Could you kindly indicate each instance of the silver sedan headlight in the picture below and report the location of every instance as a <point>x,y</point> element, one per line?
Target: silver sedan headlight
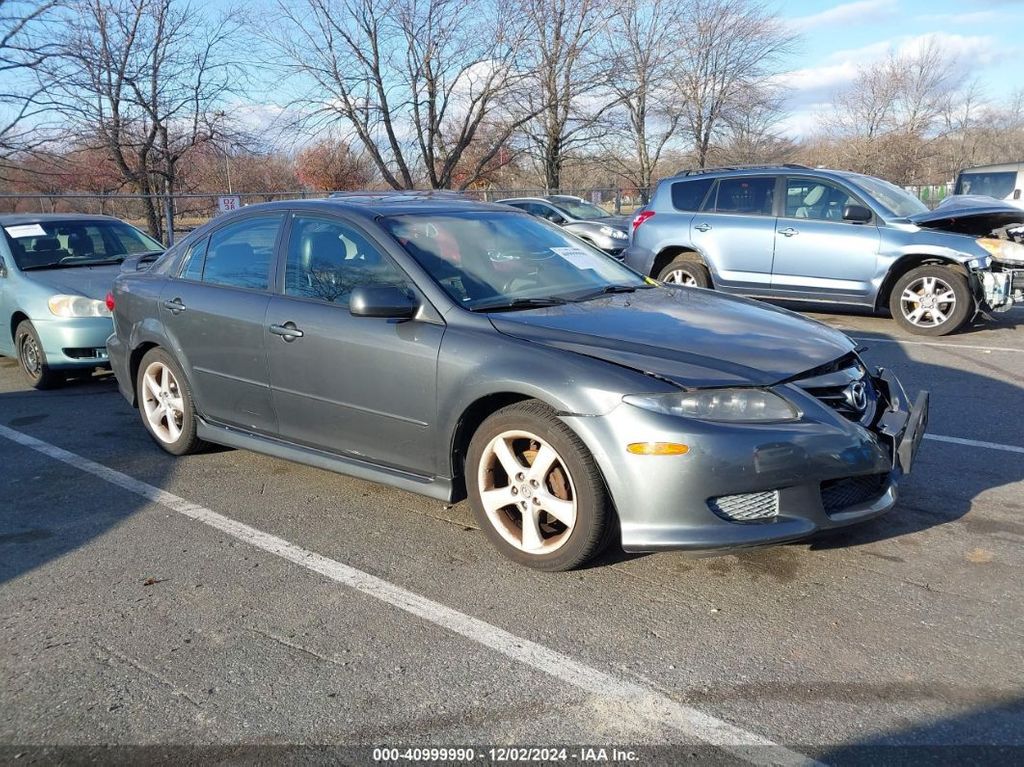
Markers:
<point>615,234</point>
<point>731,405</point>
<point>77,306</point>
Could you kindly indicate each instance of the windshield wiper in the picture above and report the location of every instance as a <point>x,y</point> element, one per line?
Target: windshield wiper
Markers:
<point>73,264</point>
<point>609,290</point>
<point>511,305</point>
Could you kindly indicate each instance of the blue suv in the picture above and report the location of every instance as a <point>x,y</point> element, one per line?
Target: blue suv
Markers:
<point>800,234</point>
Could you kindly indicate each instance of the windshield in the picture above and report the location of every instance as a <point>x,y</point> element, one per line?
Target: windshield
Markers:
<point>579,209</point>
<point>999,185</point>
<point>71,243</point>
<point>899,202</point>
<point>492,260</point>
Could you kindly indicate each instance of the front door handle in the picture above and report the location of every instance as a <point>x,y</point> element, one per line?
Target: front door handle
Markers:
<point>287,331</point>
<point>788,231</point>
<point>703,227</point>
<point>174,305</point>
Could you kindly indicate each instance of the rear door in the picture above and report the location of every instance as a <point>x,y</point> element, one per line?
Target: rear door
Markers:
<point>362,386</point>
<point>214,310</point>
<point>735,231</point>
<point>818,255</point>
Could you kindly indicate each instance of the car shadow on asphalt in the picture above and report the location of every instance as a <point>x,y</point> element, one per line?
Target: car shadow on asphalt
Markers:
<point>983,735</point>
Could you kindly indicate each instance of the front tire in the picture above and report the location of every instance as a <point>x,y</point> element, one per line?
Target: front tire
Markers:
<point>683,272</point>
<point>931,301</point>
<point>535,489</point>
<point>166,404</point>
<point>32,357</point>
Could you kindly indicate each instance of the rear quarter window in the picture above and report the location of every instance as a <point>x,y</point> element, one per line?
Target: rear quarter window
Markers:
<point>688,195</point>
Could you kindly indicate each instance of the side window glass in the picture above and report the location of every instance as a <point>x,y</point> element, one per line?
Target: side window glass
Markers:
<point>192,263</point>
<point>327,259</point>
<point>688,195</point>
<point>746,196</point>
<point>239,255</point>
<point>815,199</point>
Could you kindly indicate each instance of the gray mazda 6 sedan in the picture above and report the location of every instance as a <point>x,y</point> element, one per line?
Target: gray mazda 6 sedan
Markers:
<point>456,348</point>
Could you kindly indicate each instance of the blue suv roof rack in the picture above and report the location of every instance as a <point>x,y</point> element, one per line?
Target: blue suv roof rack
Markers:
<point>701,171</point>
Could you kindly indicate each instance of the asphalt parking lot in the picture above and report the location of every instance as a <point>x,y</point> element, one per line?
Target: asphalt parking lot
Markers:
<point>261,602</point>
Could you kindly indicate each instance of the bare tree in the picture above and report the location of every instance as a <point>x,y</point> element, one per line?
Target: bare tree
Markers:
<point>417,82</point>
<point>731,50</point>
<point>641,40</point>
<point>144,80</point>
<point>24,45</point>
<point>571,78</point>
<point>892,119</point>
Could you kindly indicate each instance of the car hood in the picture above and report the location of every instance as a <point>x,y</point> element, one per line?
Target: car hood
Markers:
<point>90,281</point>
<point>970,214</point>
<point>694,337</point>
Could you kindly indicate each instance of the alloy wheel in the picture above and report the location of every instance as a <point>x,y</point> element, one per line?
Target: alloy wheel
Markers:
<point>928,302</point>
<point>162,402</point>
<point>527,492</point>
<point>679,277</point>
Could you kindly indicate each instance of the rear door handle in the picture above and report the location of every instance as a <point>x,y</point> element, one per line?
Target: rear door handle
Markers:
<point>174,305</point>
<point>703,227</point>
<point>287,331</point>
<point>788,231</point>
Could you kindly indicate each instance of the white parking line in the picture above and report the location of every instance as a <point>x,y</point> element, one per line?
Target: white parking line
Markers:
<point>940,345</point>
<point>975,443</point>
<point>633,699</point>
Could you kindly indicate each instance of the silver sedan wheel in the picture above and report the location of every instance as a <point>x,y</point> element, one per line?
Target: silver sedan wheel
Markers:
<point>162,402</point>
<point>679,277</point>
<point>527,492</point>
<point>928,302</point>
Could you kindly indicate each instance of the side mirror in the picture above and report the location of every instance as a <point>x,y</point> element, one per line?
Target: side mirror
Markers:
<point>139,263</point>
<point>858,214</point>
<point>384,301</point>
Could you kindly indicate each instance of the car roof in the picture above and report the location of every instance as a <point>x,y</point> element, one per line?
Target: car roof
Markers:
<point>373,204</point>
<point>1003,166</point>
<point>790,169</point>
<point>13,219</point>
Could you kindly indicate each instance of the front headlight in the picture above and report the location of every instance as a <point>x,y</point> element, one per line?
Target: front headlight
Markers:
<point>615,234</point>
<point>77,306</point>
<point>733,405</point>
<point>1003,250</point>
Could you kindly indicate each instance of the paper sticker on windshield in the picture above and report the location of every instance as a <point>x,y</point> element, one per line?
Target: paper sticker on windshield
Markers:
<point>25,230</point>
<point>578,258</point>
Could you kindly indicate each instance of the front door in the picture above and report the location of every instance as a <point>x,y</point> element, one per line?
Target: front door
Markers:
<point>735,231</point>
<point>361,386</point>
<point>818,255</point>
<point>214,312</point>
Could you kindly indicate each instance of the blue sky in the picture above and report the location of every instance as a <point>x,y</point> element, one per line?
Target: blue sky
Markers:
<point>987,36</point>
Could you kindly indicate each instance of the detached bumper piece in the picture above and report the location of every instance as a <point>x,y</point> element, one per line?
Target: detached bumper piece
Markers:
<point>903,425</point>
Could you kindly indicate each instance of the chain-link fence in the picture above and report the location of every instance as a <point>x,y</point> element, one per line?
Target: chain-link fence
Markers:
<point>187,211</point>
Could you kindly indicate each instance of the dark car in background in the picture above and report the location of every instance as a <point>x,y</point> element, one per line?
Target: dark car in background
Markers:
<point>455,348</point>
<point>55,273</point>
<point>587,221</point>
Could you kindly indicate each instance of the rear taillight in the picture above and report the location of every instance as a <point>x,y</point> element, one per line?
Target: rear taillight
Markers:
<point>641,217</point>
<point>110,301</point>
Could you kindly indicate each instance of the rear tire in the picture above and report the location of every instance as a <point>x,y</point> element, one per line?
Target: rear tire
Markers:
<point>166,404</point>
<point>931,301</point>
<point>553,515</point>
<point>32,357</point>
<point>683,272</point>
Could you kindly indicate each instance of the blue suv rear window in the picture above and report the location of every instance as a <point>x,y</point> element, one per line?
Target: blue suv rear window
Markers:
<point>688,195</point>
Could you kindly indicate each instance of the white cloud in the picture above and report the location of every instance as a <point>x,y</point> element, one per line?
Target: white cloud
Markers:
<point>857,12</point>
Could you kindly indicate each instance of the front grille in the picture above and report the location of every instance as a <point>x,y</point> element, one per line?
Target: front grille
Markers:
<point>746,507</point>
<point>836,389</point>
<point>840,494</point>
<point>79,353</point>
